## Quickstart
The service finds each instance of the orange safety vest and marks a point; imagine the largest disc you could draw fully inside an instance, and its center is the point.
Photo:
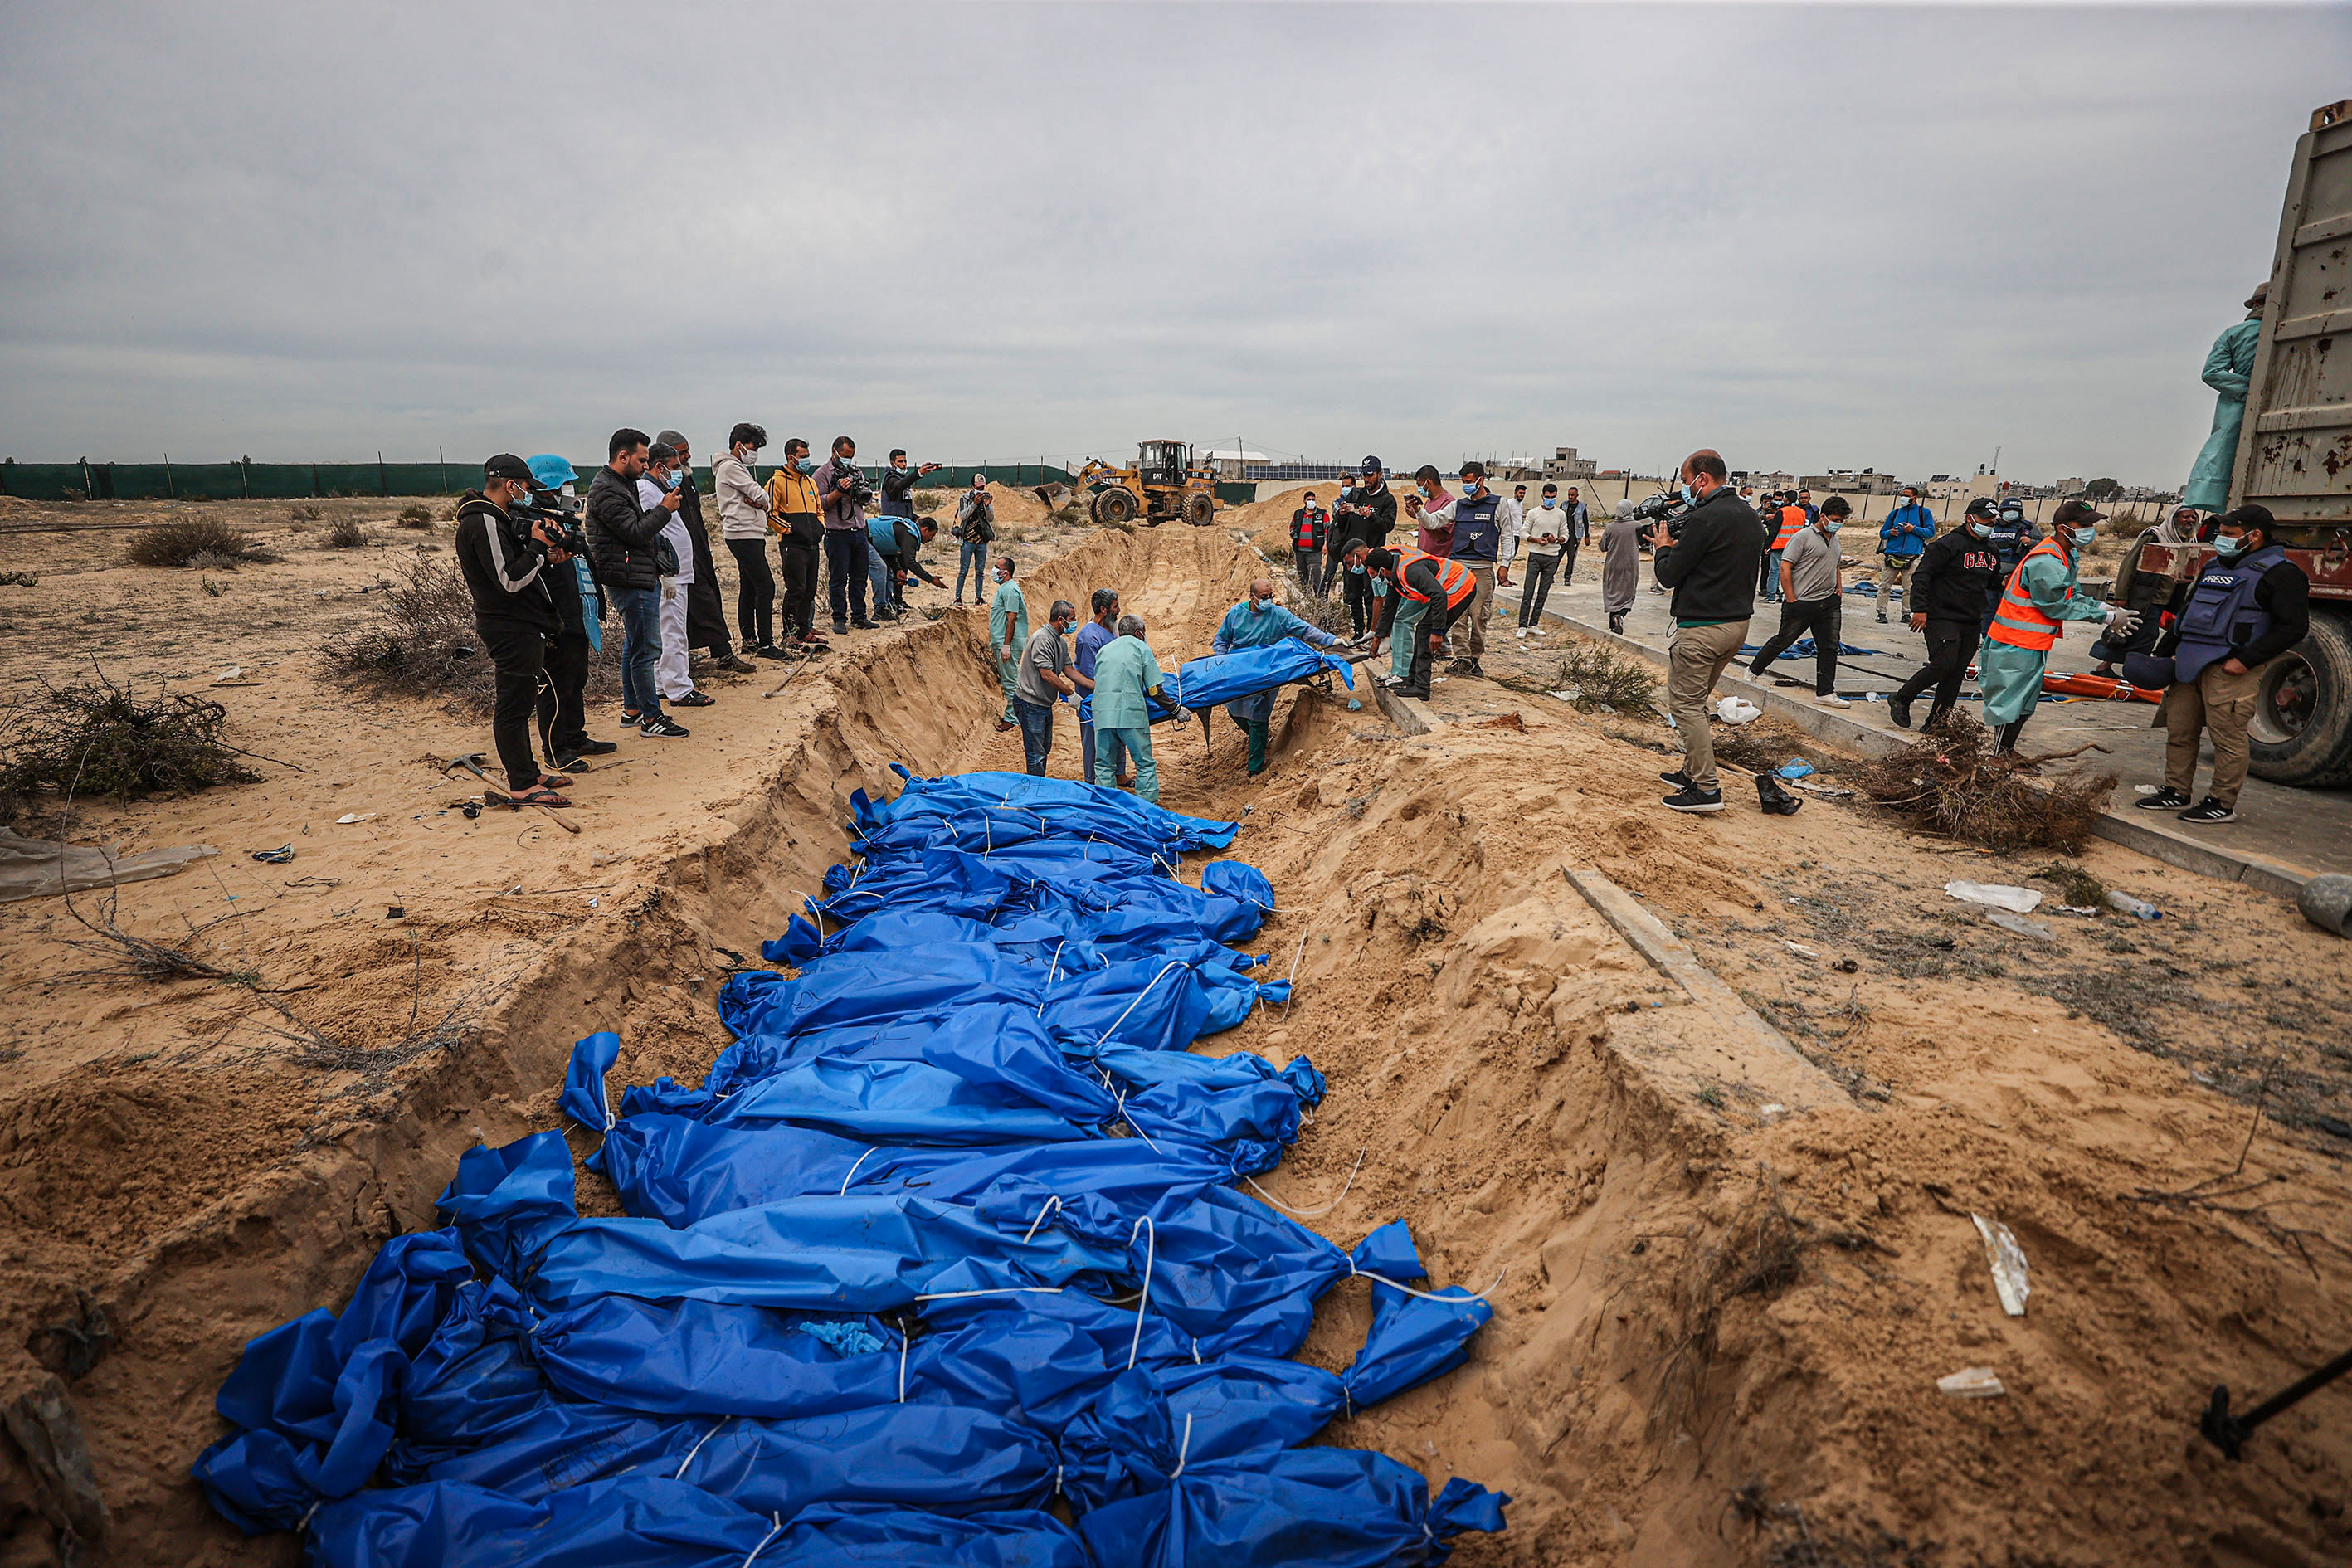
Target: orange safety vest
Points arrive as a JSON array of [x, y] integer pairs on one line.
[[2019, 622], [1452, 576], [1793, 518]]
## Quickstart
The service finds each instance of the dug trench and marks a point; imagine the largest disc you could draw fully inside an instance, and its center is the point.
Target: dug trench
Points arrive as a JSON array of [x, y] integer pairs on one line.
[[1727, 1277]]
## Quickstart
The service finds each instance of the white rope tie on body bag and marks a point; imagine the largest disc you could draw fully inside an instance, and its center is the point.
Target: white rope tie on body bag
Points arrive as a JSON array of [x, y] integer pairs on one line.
[[1150, 1245], [776, 1524], [1355, 1273], [1183, 1450], [1327, 1208], [1049, 1207], [679, 1474], [1132, 1006], [852, 1171]]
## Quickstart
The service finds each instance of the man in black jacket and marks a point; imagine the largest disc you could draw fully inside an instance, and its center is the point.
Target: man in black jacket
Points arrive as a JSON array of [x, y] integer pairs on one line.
[[514, 613], [624, 544], [1712, 569], [1956, 574], [706, 611], [1364, 515]]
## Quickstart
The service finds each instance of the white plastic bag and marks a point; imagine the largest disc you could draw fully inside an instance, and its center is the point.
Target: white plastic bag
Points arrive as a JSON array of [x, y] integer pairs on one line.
[[2000, 896], [1738, 710]]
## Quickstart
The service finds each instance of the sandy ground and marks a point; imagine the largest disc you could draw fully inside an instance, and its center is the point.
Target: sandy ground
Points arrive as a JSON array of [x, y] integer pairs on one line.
[[1718, 1329]]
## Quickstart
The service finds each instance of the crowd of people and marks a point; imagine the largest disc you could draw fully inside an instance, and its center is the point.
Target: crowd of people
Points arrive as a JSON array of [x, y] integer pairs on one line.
[[1994, 591], [546, 566]]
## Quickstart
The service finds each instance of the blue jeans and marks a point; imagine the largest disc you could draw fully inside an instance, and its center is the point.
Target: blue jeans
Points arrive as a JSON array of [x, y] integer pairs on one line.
[[1089, 738], [1036, 733], [1104, 764], [848, 552], [972, 558], [1771, 584], [877, 573], [640, 647]]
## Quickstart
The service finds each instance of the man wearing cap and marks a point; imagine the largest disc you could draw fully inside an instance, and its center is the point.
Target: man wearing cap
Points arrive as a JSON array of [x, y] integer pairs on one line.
[[1473, 524], [1945, 599], [2249, 604], [1711, 571], [706, 615], [2040, 595], [514, 613], [1364, 515], [1901, 538], [579, 606], [2229, 370]]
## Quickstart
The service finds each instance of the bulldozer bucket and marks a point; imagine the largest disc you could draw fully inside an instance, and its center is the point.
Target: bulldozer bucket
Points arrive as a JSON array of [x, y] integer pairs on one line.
[[1055, 495]]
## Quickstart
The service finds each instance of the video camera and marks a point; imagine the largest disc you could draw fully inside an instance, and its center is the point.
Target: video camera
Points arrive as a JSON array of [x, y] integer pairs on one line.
[[557, 515], [854, 485], [1665, 504]]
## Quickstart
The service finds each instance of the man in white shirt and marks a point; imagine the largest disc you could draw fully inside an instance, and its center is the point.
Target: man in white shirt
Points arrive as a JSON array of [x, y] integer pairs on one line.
[[670, 676]]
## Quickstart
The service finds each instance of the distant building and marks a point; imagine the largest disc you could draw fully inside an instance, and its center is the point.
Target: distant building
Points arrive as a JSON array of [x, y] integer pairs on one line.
[[1845, 481], [1564, 464], [2070, 487], [1234, 463]]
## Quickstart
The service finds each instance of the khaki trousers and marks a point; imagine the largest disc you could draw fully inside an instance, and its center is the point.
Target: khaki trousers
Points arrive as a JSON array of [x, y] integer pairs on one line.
[[1894, 572], [2221, 705], [1482, 604], [1695, 657]]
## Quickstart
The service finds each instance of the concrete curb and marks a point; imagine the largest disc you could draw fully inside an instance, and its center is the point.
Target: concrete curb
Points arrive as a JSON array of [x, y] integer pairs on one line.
[[1850, 734], [1409, 715]]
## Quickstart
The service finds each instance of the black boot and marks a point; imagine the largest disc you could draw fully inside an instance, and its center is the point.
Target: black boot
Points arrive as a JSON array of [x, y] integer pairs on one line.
[[1936, 715], [2008, 732], [1899, 709]]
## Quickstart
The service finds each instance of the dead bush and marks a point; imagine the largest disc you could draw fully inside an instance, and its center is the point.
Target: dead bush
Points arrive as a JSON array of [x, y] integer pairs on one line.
[[1330, 614], [1761, 1253], [1954, 784], [302, 512], [415, 514], [1596, 679], [96, 738], [422, 642], [347, 533], [194, 541], [1760, 745]]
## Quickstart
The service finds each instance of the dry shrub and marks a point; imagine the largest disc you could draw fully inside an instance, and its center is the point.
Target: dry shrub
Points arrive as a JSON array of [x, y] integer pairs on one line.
[[2076, 886], [194, 541], [415, 514], [348, 533], [303, 512], [95, 738], [1597, 677], [1324, 613], [1762, 1253], [423, 643], [1952, 782], [1760, 745]]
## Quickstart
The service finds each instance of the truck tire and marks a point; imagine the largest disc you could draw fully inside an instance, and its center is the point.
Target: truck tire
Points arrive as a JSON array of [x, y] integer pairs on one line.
[[1200, 508], [2302, 728], [1115, 506]]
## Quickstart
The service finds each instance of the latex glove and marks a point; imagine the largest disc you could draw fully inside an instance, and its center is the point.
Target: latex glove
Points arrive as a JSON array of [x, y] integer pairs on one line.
[[2122, 623]]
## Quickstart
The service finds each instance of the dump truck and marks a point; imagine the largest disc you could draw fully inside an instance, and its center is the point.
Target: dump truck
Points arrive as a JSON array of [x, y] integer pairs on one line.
[[2294, 457], [1164, 483]]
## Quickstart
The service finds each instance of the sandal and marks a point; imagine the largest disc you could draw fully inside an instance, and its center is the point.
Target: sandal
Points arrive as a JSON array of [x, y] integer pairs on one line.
[[537, 794], [555, 781]]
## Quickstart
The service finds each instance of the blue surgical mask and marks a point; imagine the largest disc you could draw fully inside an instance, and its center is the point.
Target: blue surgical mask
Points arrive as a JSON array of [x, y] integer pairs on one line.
[[1981, 530], [805, 465], [1380, 587], [1690, 496], [2227, 548], [1831, 524], [668, 481], [2083, 536], [1549, 503]]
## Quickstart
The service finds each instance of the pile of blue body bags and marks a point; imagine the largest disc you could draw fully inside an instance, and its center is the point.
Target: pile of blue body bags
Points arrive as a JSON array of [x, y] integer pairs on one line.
[[944, 1262]]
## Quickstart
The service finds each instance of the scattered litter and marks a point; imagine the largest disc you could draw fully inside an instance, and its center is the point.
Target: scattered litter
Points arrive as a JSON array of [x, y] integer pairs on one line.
[[600, 858], [1738, 710], [277, 856], [1972, 1383], [472, 809], [1501, 721], [1800, 949], [2018, 924], [321, 883], [1568, 694], [2131, 906], [2084, 910], [1999, 895], [351, 816], [1847, 966], [1796, 768], [42, 867], [2008, 1260], [1776, 801], [395, 911], [1771, 1110], [2145, 789], [1827, 792]]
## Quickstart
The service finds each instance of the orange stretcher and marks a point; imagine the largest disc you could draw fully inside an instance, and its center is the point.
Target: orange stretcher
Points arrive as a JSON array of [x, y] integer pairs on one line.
[[2098, 686]]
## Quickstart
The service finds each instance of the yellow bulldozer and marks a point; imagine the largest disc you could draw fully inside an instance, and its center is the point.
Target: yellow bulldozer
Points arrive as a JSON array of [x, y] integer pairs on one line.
[[1164, 483]]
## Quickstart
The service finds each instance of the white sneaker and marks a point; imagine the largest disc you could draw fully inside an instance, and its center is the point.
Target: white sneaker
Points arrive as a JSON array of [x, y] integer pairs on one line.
[[1520, 633], [1832, 701]]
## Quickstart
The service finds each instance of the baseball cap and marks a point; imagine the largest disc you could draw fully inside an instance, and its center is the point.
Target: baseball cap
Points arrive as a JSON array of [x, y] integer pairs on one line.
[[550, 472], [507, 466], [2077, 511], [1372, 466], [1983, 506]]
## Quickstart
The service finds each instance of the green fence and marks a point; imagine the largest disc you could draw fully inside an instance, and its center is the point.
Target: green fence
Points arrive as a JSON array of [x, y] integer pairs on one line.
[[289, 481]]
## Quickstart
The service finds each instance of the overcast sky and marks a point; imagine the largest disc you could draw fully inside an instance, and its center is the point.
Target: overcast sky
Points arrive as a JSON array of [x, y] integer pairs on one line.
[[1812, 236]]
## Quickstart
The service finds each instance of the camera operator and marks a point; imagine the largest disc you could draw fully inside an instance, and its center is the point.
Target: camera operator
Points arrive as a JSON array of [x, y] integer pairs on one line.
[[579, 606], [976, 529], [1718, 547], [843, 491], [624, 540], [504, 560]]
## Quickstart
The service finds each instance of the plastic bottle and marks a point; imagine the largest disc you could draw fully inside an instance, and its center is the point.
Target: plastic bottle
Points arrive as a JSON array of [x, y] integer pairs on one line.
[[2131, 906]]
